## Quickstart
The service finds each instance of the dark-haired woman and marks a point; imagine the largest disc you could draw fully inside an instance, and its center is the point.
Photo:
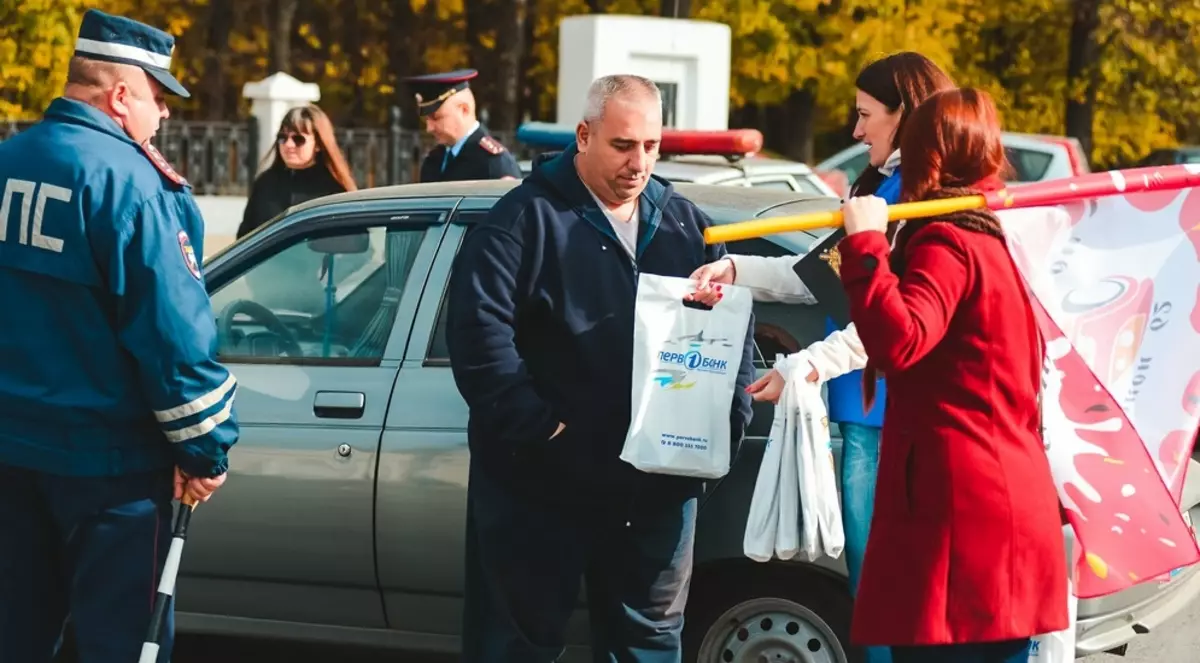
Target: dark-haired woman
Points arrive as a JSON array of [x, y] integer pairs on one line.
[[887, 92], [305, 164], [964, 563]]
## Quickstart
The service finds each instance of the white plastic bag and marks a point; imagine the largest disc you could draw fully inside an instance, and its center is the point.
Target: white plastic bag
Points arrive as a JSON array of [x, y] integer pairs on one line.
[[762, 523], [821, 513], [1059, 647], [685, 368], [795, 508]]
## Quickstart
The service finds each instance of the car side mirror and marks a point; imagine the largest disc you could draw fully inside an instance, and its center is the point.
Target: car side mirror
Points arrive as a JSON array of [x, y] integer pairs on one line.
[[341, 244]]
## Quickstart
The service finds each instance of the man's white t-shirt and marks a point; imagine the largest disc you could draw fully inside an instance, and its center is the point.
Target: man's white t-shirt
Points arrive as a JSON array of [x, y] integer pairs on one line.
[[627, 231]]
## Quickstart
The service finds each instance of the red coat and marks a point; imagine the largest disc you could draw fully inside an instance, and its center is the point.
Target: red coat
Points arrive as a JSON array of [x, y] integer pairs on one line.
[[966, 544]]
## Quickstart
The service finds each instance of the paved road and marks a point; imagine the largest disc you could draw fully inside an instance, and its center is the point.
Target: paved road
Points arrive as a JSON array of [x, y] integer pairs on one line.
[[1178, 641]]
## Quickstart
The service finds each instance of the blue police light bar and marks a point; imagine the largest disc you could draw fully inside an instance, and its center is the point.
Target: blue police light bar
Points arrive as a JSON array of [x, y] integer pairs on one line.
[[728, 143], [546, 135]]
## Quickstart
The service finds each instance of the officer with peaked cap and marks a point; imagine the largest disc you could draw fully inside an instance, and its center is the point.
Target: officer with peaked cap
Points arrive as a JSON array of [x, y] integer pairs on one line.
[[112, 400], [465, 150]]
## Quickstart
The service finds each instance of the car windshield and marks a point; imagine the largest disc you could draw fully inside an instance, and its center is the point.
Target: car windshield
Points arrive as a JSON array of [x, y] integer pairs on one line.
[[1030, 165]]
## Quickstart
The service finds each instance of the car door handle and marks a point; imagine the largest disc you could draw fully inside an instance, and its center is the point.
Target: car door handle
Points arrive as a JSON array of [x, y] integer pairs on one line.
[[339, 404]]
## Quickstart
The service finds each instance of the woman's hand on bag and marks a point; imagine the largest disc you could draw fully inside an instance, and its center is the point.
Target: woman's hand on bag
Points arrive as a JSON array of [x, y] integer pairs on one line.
[[767, 388], [865, 214], [708, 279]]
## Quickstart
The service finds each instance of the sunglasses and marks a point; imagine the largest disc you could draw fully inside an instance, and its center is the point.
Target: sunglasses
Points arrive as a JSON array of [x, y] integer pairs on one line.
[[297, 139]]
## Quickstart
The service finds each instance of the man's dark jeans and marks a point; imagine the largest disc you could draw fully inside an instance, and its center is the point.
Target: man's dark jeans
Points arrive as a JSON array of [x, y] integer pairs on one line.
[[526, 559]]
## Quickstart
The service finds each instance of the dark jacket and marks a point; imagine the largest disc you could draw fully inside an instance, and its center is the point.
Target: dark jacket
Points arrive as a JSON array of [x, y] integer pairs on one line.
[[481, 158], [280, 187], [540, 330], [109, 349]]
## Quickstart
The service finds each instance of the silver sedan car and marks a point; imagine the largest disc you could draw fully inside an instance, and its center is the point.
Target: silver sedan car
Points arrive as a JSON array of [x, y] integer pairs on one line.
[[344, 516]]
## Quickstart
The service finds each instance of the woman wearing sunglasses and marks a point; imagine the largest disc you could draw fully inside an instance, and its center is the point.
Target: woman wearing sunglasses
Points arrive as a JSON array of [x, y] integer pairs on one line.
[[305, 164]]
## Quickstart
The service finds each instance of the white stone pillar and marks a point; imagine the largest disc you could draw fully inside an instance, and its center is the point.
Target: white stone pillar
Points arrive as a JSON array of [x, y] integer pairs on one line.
[[271, 99], [688, 59]]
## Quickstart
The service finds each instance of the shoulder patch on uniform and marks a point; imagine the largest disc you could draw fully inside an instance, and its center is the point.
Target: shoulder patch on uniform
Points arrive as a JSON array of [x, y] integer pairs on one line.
[[491, 145], [161, 164], [189, 254]]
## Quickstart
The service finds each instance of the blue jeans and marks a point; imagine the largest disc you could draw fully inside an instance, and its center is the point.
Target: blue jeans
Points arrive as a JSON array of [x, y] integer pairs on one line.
[[526, 559], [860, 465]]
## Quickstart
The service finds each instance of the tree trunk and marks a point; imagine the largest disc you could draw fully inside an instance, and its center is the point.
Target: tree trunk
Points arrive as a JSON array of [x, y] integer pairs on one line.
[[675, 8], [220, 24], [510, 51], [352, 40], [792, 123], [527, 106], [282, 27], [404, 58], [1083, 54], [482, 23]]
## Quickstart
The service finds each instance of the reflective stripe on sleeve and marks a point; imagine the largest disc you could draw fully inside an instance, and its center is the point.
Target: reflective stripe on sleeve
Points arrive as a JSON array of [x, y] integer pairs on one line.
[[205, 427], [197, 406]]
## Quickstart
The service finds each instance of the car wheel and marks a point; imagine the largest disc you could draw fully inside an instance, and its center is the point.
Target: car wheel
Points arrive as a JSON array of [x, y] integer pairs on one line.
[[775, 613]]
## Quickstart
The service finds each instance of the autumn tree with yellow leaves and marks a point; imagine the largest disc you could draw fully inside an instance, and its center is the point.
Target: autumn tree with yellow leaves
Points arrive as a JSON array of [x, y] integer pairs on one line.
[[1120, 75]]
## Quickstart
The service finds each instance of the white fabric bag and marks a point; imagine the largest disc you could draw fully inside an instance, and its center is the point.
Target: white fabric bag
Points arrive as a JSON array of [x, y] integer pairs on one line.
[[685, 368]]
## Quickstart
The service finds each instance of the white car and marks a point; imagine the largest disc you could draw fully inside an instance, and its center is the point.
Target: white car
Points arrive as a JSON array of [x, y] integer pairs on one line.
[[727, 158]]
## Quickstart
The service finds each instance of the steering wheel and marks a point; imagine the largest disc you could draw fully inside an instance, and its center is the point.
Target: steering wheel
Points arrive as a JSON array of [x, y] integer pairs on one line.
[[263, 316]]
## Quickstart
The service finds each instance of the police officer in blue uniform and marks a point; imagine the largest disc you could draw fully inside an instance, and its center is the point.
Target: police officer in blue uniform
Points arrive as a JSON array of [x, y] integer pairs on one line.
[[112, 402], [465, 149]]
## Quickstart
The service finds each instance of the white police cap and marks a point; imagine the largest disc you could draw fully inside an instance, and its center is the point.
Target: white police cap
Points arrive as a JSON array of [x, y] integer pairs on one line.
[[126, 41]]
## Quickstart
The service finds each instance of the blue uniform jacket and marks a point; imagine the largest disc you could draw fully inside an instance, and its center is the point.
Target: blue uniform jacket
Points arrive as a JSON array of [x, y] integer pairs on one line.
[[109, 342], [540, 328], [846, 392]]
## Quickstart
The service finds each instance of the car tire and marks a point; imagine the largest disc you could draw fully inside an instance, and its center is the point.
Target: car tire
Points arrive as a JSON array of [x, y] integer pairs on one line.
[[768, 612]]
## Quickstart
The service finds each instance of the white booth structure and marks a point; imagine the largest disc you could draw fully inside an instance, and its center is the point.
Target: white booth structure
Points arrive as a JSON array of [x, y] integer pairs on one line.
[[688, 59]]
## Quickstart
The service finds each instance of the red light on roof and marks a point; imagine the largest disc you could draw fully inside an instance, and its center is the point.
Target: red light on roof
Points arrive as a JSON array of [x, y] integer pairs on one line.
[[733, 142]]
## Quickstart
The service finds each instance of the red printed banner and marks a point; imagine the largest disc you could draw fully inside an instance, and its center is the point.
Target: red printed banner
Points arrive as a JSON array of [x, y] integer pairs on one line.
[[1115, 277]]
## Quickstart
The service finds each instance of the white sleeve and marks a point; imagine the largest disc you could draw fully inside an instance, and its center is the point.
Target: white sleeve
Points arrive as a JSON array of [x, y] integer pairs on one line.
[[771, 279], [840, 353]]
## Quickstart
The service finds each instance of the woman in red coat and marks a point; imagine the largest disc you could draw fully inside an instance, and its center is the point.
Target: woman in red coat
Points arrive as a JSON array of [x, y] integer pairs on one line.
[[965, 561]]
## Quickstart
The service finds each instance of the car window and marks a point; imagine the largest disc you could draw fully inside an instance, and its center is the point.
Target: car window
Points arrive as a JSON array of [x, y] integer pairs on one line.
[[784, 184], [1029, 165], [325, 297], [438, 354], [807, 185], [855, 165]]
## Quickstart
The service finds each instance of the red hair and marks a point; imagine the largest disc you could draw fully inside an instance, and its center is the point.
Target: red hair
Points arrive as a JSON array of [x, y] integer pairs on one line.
[[952, 141]]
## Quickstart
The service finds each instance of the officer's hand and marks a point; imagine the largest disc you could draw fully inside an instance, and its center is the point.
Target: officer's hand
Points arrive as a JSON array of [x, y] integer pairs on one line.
[[201, 488], [180, 482]]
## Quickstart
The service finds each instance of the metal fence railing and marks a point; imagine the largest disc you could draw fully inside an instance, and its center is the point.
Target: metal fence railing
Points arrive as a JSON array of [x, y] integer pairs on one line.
[[218, 158]]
